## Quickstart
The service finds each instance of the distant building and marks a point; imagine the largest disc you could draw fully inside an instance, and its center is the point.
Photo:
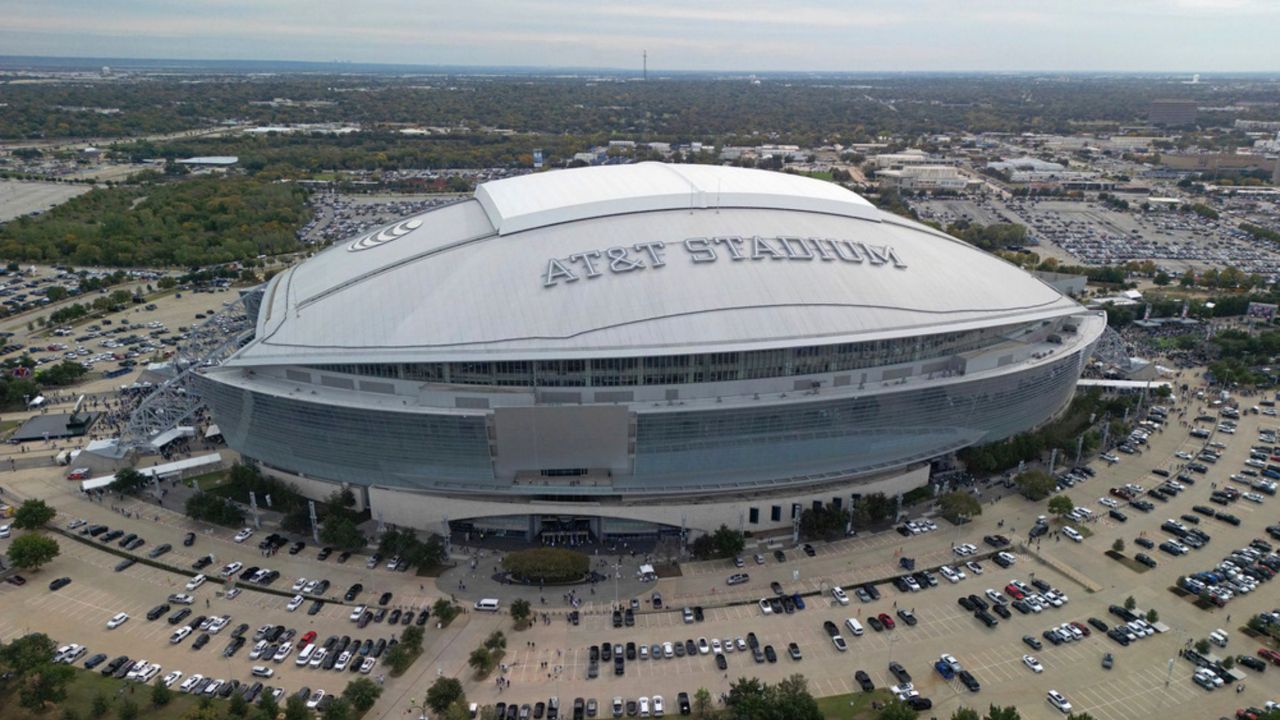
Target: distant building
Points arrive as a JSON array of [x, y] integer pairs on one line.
[[1175, 113], [222, 161], [902, 159], [924, 177], [1216, 163]]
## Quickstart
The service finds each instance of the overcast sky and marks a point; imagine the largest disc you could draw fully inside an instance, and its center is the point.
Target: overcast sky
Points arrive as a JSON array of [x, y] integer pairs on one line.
[[733, 35]]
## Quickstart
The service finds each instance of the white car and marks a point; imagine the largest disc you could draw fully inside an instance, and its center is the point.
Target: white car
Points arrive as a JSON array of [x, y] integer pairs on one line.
[[644, 706], [716, 647], [261, 671], [1072, 533], [951, 660], [1031, 662], [356, 612], [5, 531], [172, 678], [181, 599], [299, 584], [310, 587], [218, 623], [1109, 502], [367, 665], [75, 524], [256, 652], [1253, 497], [283, 653], [231, 569], [179, 635], [343, 659], [703, 646], [764, 606], [974, 567], [1057, 700], [212, 688], [117, 620], [195, 582], [245, 534], [148, 673], [190, 683], [838, 593], [1183, 455], [295, 603], [657, 706], [231, 593]]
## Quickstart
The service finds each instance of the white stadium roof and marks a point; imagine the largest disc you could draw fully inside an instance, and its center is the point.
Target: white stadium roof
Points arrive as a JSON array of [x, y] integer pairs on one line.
[[705, 259]]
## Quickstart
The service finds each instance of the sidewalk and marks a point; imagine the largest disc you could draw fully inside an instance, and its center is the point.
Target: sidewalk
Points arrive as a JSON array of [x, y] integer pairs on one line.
[[467, 583]]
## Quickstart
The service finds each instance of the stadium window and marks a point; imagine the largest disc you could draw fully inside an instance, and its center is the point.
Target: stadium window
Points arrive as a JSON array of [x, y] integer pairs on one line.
[[775, 514], [753, 516]]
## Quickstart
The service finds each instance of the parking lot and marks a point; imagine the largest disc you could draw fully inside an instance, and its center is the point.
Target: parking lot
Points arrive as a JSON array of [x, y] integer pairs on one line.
[[1140, 684]]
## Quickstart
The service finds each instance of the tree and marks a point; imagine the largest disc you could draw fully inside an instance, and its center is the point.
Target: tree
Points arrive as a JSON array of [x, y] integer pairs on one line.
[[701, 702], [295, 708], [1130, 603], [1153, 616], [342, 532], [546, 565], [996, 712], [957, 506], [340, 709], [128, 710], [27, 653], [31, 551], [362, 693], [70, 714], [496, 641], [1060, 505], [520, 611], [128, 481], [1035, 485], [99, 706], [444, 692], [729, 543], [268, 708], [1162, 278], [1202, 646], [444, 610], [238, 707], [160, 694], [964, 713], [480, 660], [412, 638], [33, 514], [1118, 545], [45, 684], [897, 710]]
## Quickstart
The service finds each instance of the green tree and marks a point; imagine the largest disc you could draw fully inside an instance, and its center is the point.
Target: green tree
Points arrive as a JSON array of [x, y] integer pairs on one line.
[[897, 710], [268, 708], [127, 710], [1162, 278], [964, 713], [339, 709], [362, 693], [27, 653], [31, 551], [33, 514], [1060, 505], [45, 684], [1035, 485], [99, 706], [729, 543], [1202, 646], [238, 707], [412, 637], [496, 641], [128, 481], [1153, 616], [444, 692], [702, 703], [444, 610], [160, 694], [295, 708], [70, 714], [480, 660], [341, 531], [1118, 545], [520, 612], [957, 506], [1130, 603], [1003, 713]]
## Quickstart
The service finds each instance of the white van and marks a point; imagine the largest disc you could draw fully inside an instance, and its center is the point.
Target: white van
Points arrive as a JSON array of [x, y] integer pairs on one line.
[[854, 626], [487, 605], [1218, 637], [305, 656]]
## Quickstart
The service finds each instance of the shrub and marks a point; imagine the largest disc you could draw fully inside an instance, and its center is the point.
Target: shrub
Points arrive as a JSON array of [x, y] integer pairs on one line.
[[551, 565]]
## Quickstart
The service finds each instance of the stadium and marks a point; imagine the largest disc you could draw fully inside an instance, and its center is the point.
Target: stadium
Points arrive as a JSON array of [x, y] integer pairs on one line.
[[633, 350]]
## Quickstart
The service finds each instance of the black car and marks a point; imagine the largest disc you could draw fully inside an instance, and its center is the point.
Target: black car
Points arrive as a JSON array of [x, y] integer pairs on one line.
[[95, 661], [1204, 510], [899, 672], [394, 617], [864, 681], [1032, 643], [325, 552], [769, 654], [721, 662], [179, 616], [422, 618], [682, 702], [157, 611], [60, 583], [296, 548], [966, 603], [125, 564], [353, 591], [200, 641], [345, 556], [315, 607], [114, 665], [978, 602], [907, 616], [1227, 518], [969, 681], [629, 618], [875, 623], [808, 550], [1002, 611], [779, 556], [1098, 624], [1145, 559], [698, 615], [1144, 542], [385, 598], [919, 703], [1251, 662], [202, 563], [986, 618], [1117, 515]]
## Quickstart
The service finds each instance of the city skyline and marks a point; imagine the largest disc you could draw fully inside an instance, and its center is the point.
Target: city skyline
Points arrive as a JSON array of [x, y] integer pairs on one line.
[[873, 36]]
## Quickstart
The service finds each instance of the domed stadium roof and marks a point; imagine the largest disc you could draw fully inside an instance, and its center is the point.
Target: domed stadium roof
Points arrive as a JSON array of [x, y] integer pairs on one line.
[[630, 260]]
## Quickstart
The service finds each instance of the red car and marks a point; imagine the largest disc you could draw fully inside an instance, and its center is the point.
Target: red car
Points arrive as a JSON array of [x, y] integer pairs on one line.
[[888, 621], [1013, 591], [307, 639], [1269, 655], [1081, 627]]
